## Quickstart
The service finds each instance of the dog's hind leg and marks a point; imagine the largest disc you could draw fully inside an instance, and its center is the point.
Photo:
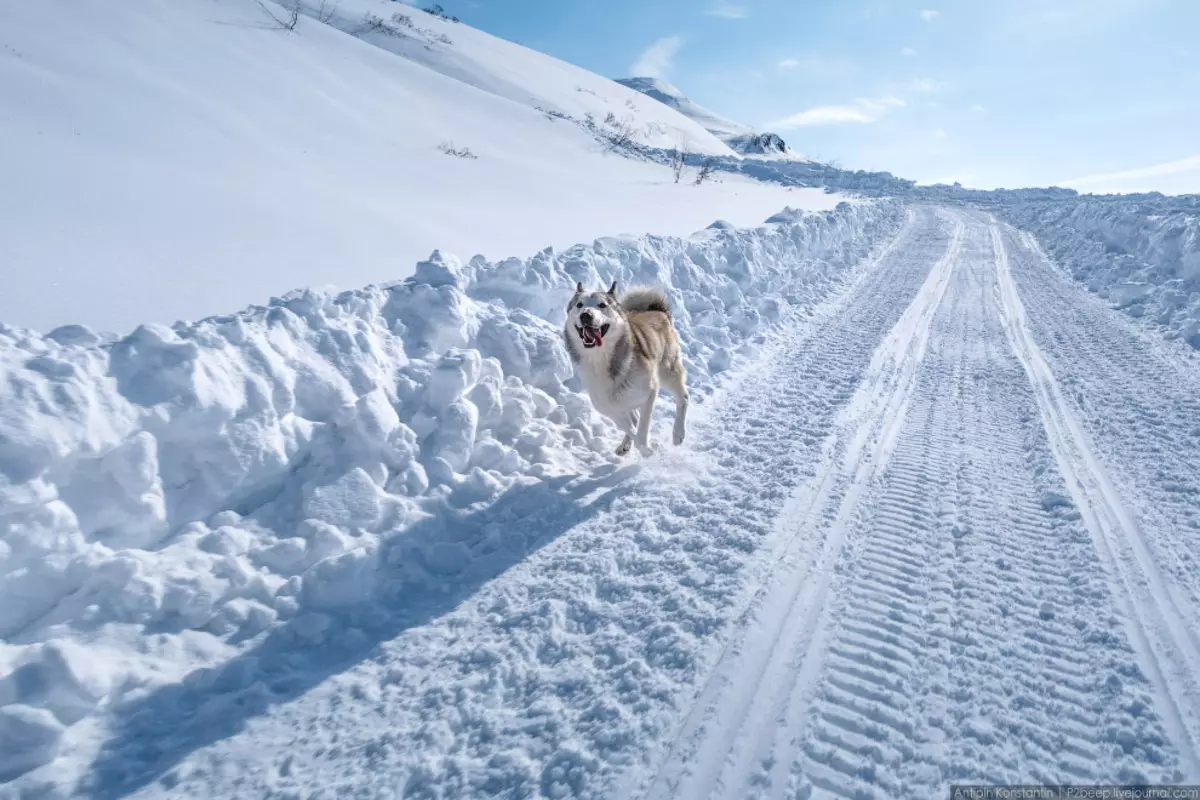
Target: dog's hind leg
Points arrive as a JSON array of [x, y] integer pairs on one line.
[[674, 380]]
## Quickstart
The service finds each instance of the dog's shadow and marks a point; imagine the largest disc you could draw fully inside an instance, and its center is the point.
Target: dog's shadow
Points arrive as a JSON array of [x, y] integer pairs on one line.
[[153, 734]]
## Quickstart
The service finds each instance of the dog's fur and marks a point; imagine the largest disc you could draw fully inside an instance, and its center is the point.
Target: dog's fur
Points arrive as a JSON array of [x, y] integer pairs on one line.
[[626, 349]]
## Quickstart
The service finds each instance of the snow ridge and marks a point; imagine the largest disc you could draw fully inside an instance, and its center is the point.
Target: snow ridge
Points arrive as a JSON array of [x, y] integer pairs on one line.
[[212, 481], [1141, 254]]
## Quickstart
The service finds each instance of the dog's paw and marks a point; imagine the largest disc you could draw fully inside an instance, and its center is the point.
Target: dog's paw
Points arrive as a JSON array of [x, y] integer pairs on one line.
[[624, 446], [677, 438], [648, 449]]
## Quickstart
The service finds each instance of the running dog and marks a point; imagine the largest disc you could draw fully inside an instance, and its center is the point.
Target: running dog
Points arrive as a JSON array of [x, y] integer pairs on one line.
[[626, 349]]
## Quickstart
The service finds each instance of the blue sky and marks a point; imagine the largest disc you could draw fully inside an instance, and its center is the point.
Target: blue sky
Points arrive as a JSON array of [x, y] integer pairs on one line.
[[1101, 95]]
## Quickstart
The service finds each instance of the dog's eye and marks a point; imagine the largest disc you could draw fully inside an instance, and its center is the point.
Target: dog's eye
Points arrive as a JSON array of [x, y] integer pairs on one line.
[[579, 305], [601, 305]]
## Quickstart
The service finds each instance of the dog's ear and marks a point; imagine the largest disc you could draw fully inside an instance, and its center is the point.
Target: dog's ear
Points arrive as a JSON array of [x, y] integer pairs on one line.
[[579, 287], [612, 290]]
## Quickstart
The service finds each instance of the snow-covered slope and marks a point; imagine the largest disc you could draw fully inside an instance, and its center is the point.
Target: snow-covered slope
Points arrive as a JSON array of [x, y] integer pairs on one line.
[[671, 97], [515, 72], [741, 138], [169, 499], [168, 160]]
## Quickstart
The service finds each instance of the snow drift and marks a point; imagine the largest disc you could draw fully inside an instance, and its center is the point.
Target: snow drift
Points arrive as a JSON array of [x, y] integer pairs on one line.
[[169, 496], [1140, 253]]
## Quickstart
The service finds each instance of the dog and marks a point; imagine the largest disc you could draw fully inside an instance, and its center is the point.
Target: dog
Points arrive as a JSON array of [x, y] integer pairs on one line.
[[625, 350]]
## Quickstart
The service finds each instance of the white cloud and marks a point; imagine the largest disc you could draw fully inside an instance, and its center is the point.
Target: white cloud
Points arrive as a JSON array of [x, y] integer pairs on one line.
[[823, 115], [789, 63], [978, 108], [728, 11], [863, 111], [939, 134], [1189, 164], [657, 59], [908, 52], [929, 15]]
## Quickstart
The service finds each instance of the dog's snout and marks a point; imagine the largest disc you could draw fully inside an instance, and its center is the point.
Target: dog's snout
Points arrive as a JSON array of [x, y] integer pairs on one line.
[[586, 318]]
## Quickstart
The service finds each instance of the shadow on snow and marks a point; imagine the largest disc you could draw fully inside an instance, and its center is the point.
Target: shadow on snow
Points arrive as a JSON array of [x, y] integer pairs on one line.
[[153, 734]]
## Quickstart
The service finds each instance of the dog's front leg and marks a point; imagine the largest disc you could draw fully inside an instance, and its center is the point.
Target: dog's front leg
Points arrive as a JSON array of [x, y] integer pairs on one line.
[[643, 429], [628, 423]]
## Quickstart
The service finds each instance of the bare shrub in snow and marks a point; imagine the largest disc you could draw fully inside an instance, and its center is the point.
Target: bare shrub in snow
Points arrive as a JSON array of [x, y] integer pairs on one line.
[[437, 11], [449, 149], [287, 23], [374, 24], [677, 162], [706, 171], [620, 137], [326, 12], [403, 20]]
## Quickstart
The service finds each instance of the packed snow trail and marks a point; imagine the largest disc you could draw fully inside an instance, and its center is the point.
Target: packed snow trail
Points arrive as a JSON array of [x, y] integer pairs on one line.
[[973, 631], [865, 575]]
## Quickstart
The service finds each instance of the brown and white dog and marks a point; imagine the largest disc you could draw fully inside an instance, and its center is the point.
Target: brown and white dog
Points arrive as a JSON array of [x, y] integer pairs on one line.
[[626, 349]]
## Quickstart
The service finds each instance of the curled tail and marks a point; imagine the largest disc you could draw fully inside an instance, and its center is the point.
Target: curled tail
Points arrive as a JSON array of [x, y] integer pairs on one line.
[[646, 298]]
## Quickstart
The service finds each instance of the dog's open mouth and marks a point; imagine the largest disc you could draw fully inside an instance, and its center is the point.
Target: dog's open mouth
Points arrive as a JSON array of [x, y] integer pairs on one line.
[[590, 336]]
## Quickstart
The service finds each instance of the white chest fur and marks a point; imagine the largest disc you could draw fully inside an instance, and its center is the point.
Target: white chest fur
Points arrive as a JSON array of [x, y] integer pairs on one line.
[[611, 395]]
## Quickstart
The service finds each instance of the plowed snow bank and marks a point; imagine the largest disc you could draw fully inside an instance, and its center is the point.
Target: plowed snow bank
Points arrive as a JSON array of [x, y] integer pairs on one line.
[[168, 496]]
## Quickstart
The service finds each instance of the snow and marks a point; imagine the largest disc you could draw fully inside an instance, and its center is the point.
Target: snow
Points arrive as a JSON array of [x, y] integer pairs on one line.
[[172, 496], [740, 138], [920, 534], [1141, 253], [671, 97], [178, 160], [935, 520]]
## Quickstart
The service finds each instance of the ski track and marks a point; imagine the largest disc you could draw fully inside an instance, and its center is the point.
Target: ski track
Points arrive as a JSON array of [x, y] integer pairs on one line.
[[944, 530]]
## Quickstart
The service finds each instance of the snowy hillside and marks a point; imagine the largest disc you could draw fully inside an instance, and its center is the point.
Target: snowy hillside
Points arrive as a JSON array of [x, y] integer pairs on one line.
[[671, 97], [740, 138], [514, 72], [301, 472], [176, 160]]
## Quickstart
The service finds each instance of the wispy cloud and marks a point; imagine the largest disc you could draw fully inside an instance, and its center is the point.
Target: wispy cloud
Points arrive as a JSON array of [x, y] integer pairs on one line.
[[861, 112], [657, 59], [939, 134], [812, 65], [908, 52], [978, 108], [1189, 164], [929, 14], [728, 11]]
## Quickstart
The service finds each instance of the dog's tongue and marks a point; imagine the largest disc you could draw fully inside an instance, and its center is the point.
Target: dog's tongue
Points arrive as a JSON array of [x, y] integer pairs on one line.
[[596, 336]]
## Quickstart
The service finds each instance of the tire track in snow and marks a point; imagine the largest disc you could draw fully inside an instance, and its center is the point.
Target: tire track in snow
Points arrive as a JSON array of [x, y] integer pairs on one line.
[[1137, 397], [967, 610], [1157, 623], [966, 633], [757, 669]]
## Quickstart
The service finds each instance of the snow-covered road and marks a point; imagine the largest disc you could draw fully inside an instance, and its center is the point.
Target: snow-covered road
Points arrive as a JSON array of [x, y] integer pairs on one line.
[[945, 529]]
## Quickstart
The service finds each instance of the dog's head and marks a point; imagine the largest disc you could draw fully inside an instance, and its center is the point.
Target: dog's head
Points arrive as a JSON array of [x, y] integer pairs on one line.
[[594, 316]]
